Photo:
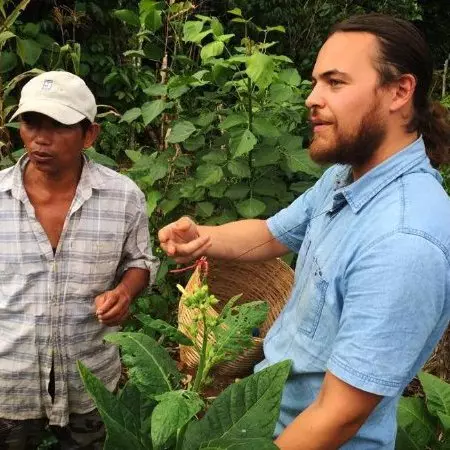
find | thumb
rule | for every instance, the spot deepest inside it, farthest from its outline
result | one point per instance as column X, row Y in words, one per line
column 99, row 302
column 186, row 229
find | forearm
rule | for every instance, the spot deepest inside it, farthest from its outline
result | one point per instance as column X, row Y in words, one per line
column 317, row 429
column 134, row 281
column 248, row 240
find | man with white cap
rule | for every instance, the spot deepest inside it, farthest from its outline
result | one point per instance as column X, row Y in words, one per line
column 74, row 252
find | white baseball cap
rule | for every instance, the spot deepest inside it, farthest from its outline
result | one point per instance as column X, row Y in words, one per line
column 60, row 95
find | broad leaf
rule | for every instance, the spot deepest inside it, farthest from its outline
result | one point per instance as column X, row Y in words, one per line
column 204, row 209
column 265, row 156
column 100, row 158
column 151, row 110
column 4, row 36
column 263, row 127
column 217, row 27
column 131, row 115
column 205, row 119
column 128, row 16
column 416, row 428
column 134, row 155
column 215, row 157
column 233, row 120
column 239, row 168
column 150, row 366
column 237, row 191
column 28, row 50
column 261, row 69
column 157, row 170
column 175, row 410
column 247, row 409
column 194, row 143
column 208, row 174
column 181, row 131
column 156, row 90
column 240, row 444
column 167, row 205
column 437, row 393
column 301, row 186
column 191, row 29
column 153, row 198
column 270, row 187
column 165, row 329
column 152, row 19
column 122, row 425
column 445, row 421
column 250, row 208
column 212, row 49
column 297, row 158
column 242, row 143
column 280, row 93
column 217, row 191
column 235, row 12
column 290, row 77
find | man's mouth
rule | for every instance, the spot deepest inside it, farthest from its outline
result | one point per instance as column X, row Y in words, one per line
column 40, row 156
column 319, row 124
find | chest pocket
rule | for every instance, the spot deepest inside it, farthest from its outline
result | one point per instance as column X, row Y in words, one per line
column 310, row 301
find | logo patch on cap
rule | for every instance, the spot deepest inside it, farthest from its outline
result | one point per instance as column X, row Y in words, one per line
column 47, row 85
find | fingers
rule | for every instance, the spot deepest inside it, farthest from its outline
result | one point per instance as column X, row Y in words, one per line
column 112, row 308
column 183, row 230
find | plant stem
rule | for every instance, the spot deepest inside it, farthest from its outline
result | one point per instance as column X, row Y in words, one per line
column 180, row 436
column 201, row 365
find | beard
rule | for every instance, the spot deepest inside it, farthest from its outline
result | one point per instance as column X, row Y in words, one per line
column 353, row 148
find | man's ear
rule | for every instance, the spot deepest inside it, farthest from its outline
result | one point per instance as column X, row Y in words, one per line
column 403, row 91
column 91, row 135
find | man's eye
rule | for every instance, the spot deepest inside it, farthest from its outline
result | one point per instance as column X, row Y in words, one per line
column 333, row 82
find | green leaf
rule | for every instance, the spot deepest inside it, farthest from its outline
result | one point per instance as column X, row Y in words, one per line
column 233, row 120
column 208, row 174
column 183, row 161
column 279, row 28
column 301, row 186
column 100, row 158
column 437, row 393
column 280, row 93
column 153, row 198
column 138, row 53
column 215, row 157
column 237, row 191
column 242, row 143
column 239, row 168
column 156, row 90
column 168, row 205
column 191, row 29
column 247, row 409
column 445, row 421
column 217, row 190
column 235, row 12
column 174, row 410
column 262, row 127
column 150, row 366
column 151, row 110
column 205, row 119
column 181, row 131
column 204, row 209
column 297, row 158
column 290, row 77
column 261, row 69
column 250, row 208
column 152, row 19
column 240, row 444
column 270, row 187
column 217, row 27
column 156, row 171
column 194, row 143
column 265, row 156
column 416, row 428
column 122, row 425
column 127, row 16
column 4, row 36
column 134, row 155
column 212, row 49
column 131, row 115
column 28, row 50
column 225, row 37
column 165, row 329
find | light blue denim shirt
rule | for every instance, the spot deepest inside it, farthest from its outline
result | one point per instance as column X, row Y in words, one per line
column 372, row 286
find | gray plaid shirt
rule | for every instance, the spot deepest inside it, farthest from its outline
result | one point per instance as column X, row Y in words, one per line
column 47, row 301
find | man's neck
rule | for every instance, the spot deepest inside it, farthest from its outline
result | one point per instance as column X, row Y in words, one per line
column 390, row 146
column 60, row 182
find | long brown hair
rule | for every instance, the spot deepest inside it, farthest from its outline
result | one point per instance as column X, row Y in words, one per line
column 403, row 50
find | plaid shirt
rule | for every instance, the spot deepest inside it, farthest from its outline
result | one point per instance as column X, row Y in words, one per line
column 47, row 301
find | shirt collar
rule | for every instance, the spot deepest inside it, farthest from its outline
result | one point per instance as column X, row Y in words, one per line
column 358, row 193
column 11, row 180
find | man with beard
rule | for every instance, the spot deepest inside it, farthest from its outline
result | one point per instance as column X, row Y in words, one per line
column 370, row 299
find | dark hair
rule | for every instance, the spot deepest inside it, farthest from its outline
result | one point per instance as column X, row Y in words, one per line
column 85, row 124
column 403, row 50
column 32, row 117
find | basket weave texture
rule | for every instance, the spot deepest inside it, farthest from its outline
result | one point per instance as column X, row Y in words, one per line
column 270, row 281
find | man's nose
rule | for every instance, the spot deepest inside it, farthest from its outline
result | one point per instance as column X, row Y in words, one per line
column 315, row 98
column 44, row 136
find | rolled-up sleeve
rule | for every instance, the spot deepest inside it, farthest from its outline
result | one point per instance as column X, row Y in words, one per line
column 137, row 251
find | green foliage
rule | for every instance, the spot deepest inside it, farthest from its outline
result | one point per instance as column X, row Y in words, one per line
column 154, row 411
column 425, row 423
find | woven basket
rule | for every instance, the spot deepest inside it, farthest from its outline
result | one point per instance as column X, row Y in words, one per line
column 270, row 281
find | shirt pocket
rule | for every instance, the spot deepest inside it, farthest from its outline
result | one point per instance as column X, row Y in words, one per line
column 311, row 301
